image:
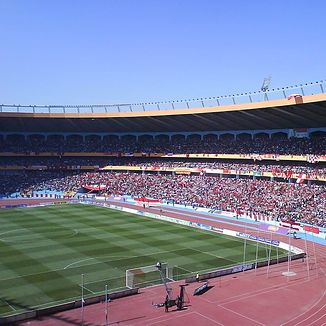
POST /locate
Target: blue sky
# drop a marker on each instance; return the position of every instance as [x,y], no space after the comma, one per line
[129,51]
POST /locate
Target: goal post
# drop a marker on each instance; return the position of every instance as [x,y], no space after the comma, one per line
[148,275]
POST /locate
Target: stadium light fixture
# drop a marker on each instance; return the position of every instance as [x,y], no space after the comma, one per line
[266,83]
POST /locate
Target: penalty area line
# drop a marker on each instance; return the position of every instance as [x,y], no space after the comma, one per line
[8,304]
[118,258]
[87,289]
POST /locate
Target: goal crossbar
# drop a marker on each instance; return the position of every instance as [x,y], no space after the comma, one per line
[147,275]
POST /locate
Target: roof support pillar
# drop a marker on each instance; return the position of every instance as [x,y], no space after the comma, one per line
[322,88]
[302,91]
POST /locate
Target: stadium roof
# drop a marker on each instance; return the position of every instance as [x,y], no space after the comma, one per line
[295,112]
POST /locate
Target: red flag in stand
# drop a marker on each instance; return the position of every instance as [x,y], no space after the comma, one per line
[309,228]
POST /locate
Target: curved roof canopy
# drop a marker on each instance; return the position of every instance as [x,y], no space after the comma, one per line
[296,112]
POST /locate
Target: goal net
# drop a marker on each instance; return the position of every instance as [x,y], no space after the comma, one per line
[148,275]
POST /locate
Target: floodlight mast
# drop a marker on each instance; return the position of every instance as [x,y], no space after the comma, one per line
[265,86]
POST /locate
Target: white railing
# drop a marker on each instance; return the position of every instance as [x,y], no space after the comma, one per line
[310,88]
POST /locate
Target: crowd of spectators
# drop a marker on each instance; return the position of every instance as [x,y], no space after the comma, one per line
[277,200]
[20,182]
[59,145]
[278,169]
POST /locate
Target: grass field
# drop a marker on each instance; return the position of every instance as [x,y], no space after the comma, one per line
[45,250]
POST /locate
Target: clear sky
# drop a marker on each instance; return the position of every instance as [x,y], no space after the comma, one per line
[127,51]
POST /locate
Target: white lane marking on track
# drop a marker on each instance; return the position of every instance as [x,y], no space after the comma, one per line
[261,291]
[246,317]
[307,311]
[319,320]
[210,319]
[161,319]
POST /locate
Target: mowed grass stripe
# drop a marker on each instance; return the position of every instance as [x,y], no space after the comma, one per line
[37,279]
[37,235]
[151,243]
[137,236]
[106,243]
[87,244]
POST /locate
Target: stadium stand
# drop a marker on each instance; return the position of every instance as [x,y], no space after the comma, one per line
[276,200]
[278,144]
[273,163]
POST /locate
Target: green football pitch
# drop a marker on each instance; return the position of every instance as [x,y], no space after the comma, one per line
[45,250]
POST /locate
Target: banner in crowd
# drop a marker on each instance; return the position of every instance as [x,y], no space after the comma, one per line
[147,201]
[290,225]
[309,228]
[96,187]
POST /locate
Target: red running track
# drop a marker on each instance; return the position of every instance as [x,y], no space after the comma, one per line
[248,298]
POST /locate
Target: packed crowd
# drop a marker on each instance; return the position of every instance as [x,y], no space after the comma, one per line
[71,163]
[277,145]
[277,200]
[21,182]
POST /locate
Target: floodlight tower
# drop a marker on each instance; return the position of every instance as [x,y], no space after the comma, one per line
[265,86]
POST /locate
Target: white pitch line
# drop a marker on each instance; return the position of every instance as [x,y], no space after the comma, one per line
[210,254]
[19,242]
[185,269]
[88,289]
[61,269]
[8,240]
[79,261]
[6,302]
[83,260]
[121,257]
[10,231]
